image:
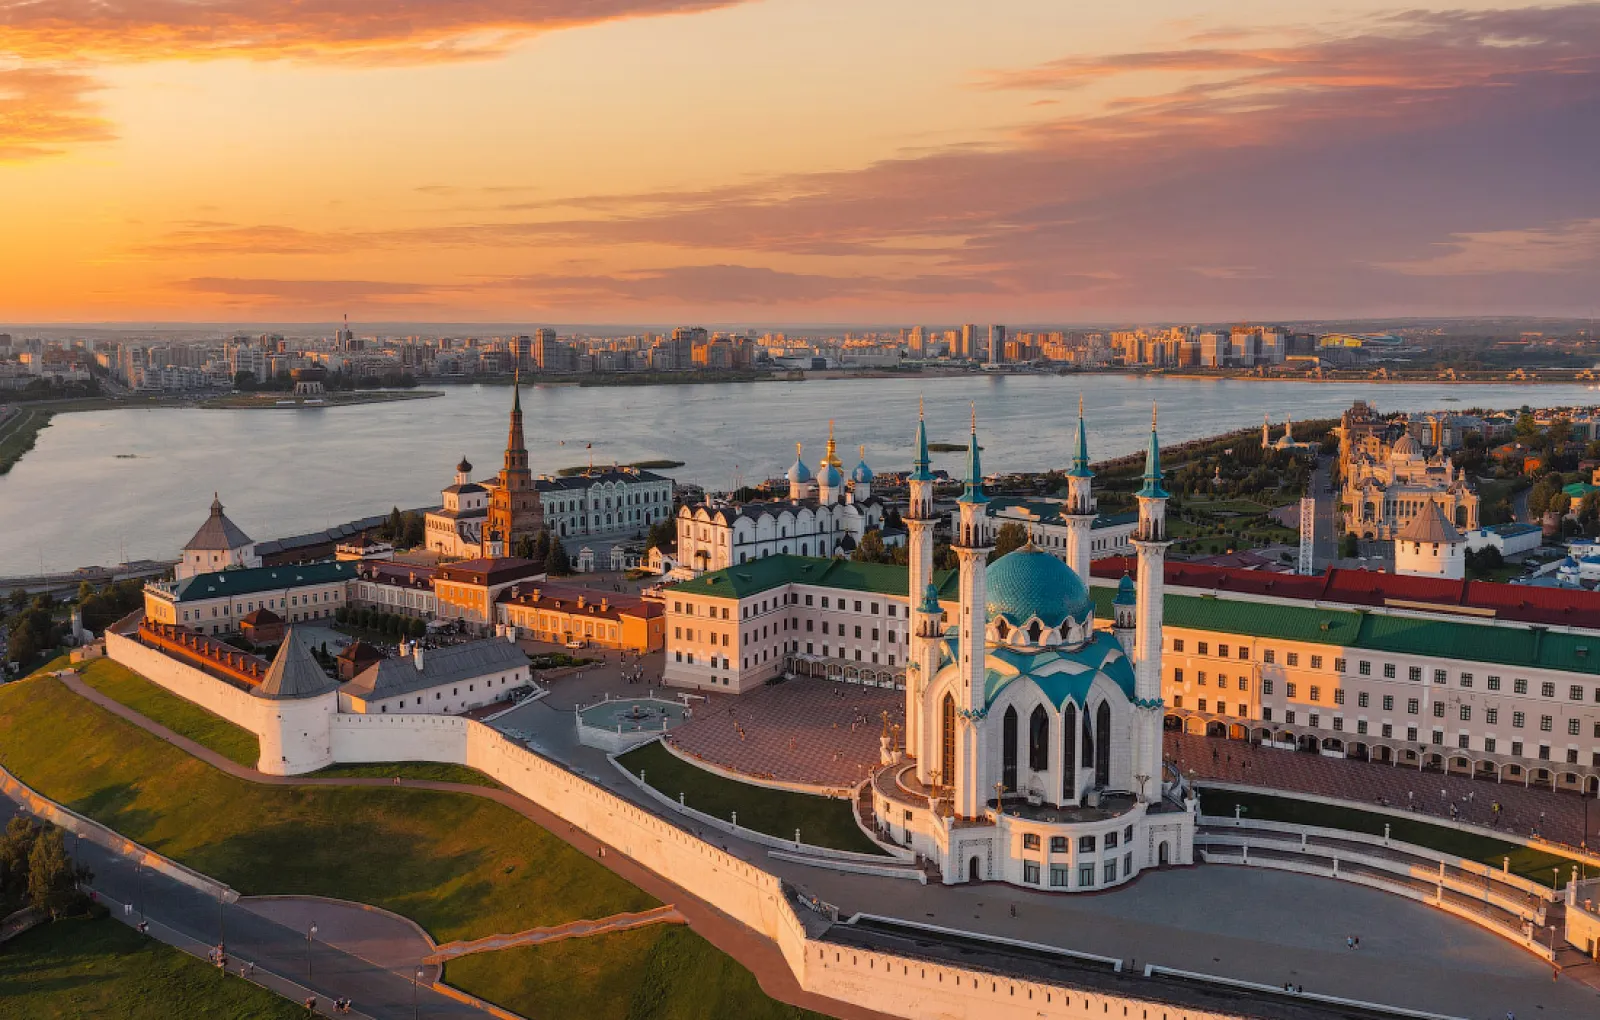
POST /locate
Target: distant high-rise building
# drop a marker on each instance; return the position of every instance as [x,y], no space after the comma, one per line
[997,343]
[968,332]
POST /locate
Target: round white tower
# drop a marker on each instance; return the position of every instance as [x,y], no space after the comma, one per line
[1150,543]
[1080,511]
[972,547]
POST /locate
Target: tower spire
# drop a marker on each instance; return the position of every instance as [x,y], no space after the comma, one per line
[1152,465]
[974,491]
[1080,459]
[921,464]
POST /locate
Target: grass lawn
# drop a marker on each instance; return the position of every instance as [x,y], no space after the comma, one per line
[663,972]
[441,772]
[460,866]
[122,684]
[1525,861]
[80,967]
[822,821]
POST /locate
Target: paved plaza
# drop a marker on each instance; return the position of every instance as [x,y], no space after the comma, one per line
[807,730]
[1524,811]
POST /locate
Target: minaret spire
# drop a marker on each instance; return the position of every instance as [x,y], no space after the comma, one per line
[974,490]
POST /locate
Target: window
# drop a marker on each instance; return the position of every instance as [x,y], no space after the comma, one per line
[1547,690]
[1546,724]
[1494,683]
[1200,677]
[1519,686]
[1202,704]
[1058,844]
[1269,656]
[1177,676]
[1177,644]
[1316,693]
[1361,726]
[1338,665]
[1517,719]
[1244,653]
[1315,720]
[1574,693]
[1244,683]
[1316,662]
[1463,742]
[1572,727]
[1363,699]
[1438,710]
[1411,734]
[1415,673]
[1266,713]
[1111,840]
[1388,730]
[1266,686]
[1222,650]
[1516,750]
[1030,872]
[1364,668]
[1412,706]
[1466,713]
[1177,701]
[1338,722]
[1491,716]
[1292,659]
[1030,841]
[1289,689]
[1085,844]
[1388,671]
[1205,648]
[1288,717]
[1338,696]
[1439,676]
[1085,876]
[1111,871]
[1488,744]
[1060,875]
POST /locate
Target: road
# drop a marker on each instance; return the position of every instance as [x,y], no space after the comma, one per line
[190,919]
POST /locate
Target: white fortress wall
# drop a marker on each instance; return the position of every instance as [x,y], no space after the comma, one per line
[373,738]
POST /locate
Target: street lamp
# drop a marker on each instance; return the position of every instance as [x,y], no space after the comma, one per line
[139,871]
[415,977]
[311,931]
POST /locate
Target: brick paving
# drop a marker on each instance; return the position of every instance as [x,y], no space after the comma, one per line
[807,730]
[1524,811]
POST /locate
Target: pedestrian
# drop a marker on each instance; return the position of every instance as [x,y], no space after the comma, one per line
[1358,941]
[1349,942]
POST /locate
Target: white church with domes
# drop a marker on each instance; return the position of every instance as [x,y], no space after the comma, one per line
[1033,740]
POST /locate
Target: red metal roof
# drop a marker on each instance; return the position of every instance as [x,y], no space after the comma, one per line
[1522,603]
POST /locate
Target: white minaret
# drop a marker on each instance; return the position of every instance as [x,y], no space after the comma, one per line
[1080,512]
[1150,542]
[922,717]
[1266,434]
[919,527]
[972,548]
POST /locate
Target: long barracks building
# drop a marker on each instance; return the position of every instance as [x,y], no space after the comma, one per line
[1497,680]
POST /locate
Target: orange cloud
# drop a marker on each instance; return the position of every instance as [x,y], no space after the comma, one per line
[42,110]
[378,31]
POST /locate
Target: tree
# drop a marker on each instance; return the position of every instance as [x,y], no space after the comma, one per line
[872,549]
[415,530]
[416,628]
[15,846]
[19,598]
[1348,547]
[663,535]
[541,546]
[556,563]
[52,882]
[1011,537]
[891,519]
[394,528]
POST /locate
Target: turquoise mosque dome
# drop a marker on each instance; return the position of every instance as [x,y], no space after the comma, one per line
[1032,583]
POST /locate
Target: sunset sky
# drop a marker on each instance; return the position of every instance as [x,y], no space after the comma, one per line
[840,161]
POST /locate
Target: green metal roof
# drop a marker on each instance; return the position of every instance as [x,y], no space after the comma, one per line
[228,583]
[757,576]
[1506,645]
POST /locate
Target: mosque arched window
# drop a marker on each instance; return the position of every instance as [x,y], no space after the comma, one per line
[1039,740]
[1001,629]
[947,743]
[1102,753]
[1034,632]
[1069,734]
[1008,745]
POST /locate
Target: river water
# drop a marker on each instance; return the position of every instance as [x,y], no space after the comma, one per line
[107,485]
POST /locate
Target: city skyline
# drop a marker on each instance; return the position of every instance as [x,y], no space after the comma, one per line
[778,161]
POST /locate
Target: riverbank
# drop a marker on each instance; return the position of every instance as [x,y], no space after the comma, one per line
[18,431]
[277,401]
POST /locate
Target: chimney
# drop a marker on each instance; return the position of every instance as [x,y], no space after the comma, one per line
[580,601]
[605,603]
[417,655]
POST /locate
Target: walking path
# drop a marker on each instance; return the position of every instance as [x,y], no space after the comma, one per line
[755,953]
[572,929]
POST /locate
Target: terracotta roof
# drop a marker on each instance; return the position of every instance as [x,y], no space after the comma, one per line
[565,598]
[261,618]
[490,570]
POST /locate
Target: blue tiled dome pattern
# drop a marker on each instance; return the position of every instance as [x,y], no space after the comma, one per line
[1030,582]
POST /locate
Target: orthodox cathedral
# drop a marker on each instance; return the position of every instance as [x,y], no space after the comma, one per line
[1033,741]
[825,515]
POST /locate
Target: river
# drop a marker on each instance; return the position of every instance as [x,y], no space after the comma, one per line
[102,486]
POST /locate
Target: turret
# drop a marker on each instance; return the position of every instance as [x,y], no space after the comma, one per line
[830,479]
[1150,543]
[1080,511]
[464,472]
[800,483]
[1125,613]
[927,627]
[861,478]
[1266,433]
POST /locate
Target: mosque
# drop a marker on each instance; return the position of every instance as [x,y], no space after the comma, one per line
[1033,741]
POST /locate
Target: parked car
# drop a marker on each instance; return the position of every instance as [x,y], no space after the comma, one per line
[575,642]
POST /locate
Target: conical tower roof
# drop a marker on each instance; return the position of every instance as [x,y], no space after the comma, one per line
[974,491]
[1152,466]
[294,673]
[1080,459]
[1430,525]
[922,466]
[217,534]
